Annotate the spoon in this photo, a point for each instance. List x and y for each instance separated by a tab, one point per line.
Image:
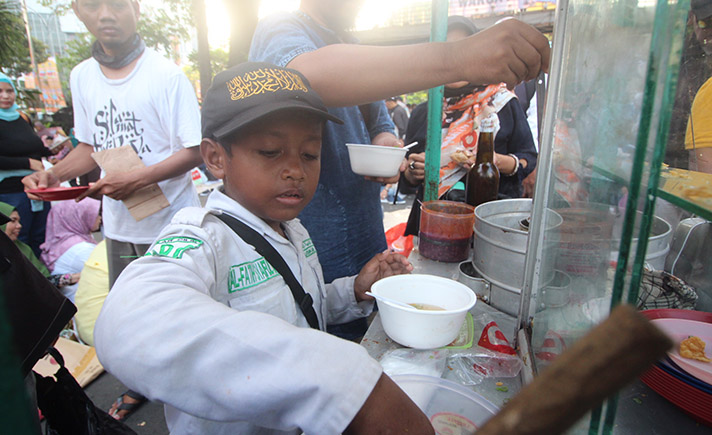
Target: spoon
410	145
391	301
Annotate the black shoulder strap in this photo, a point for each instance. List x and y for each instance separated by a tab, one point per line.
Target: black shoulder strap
262	246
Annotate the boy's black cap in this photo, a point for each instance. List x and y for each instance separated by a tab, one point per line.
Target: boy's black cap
251	90
701	8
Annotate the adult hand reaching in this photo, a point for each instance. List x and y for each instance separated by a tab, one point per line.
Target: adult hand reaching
39	180
510	51
118	186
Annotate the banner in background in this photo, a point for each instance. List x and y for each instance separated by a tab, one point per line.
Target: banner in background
478	8
52	95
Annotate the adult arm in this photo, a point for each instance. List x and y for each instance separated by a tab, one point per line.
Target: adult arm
521	142
16	162
510	51
702	157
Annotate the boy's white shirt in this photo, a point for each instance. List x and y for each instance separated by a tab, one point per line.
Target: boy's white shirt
248	363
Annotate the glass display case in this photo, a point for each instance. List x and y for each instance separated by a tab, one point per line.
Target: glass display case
611	205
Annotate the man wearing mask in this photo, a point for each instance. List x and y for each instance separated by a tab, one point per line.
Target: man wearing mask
127	94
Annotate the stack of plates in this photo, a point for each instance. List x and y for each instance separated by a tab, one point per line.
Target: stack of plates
684	382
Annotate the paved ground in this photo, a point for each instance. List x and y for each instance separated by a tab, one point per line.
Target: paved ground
148	419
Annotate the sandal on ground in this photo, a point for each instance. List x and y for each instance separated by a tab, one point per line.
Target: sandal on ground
121	405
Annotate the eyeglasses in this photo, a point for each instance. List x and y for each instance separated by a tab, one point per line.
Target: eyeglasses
705	23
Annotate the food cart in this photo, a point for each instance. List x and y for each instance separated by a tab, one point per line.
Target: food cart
606	204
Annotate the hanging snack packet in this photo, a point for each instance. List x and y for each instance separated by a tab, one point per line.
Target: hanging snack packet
493	356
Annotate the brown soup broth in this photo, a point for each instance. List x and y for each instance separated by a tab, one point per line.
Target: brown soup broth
427	307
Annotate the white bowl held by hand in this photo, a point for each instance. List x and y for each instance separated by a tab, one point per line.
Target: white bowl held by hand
375	160
423	329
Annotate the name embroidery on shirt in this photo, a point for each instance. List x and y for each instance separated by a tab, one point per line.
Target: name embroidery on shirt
308	248
264	80
249	274
173	247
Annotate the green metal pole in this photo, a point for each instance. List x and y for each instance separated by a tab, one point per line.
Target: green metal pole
438	33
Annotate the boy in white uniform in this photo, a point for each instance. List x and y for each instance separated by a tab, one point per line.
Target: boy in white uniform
210	328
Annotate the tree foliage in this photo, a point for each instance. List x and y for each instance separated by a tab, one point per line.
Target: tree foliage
165	30
218	60
417	97
14	49
162	27
76	50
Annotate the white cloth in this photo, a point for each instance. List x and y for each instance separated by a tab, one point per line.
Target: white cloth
72	261
215	335
153	109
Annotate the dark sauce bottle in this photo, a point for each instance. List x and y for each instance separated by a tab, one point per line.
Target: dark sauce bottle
483	177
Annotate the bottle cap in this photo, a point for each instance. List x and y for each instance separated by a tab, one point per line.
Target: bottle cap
487	123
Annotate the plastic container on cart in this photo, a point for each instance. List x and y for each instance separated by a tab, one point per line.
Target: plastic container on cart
451	408
445	230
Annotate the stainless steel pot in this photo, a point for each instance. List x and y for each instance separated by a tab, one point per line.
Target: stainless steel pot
500	248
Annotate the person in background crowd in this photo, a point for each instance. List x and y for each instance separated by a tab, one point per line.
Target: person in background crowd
127	94
69	240
91	292
345	217
21	152
515	155
64	118
399	116
401	103
12	229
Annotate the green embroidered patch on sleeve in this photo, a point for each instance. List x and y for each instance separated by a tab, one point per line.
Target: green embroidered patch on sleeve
308	248
249	274
173	247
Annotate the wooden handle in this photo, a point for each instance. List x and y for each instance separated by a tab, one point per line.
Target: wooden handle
609	357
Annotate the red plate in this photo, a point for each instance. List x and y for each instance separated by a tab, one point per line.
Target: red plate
672	313
58	193
680	329
694	401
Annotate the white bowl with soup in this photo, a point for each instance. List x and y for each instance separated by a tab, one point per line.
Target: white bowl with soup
439	306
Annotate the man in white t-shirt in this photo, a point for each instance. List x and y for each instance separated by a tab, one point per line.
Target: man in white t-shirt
127	94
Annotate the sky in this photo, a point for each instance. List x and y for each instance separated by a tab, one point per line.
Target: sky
373	13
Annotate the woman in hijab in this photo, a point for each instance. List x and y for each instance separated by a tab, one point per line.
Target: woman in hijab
21	152
69	240
13	229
